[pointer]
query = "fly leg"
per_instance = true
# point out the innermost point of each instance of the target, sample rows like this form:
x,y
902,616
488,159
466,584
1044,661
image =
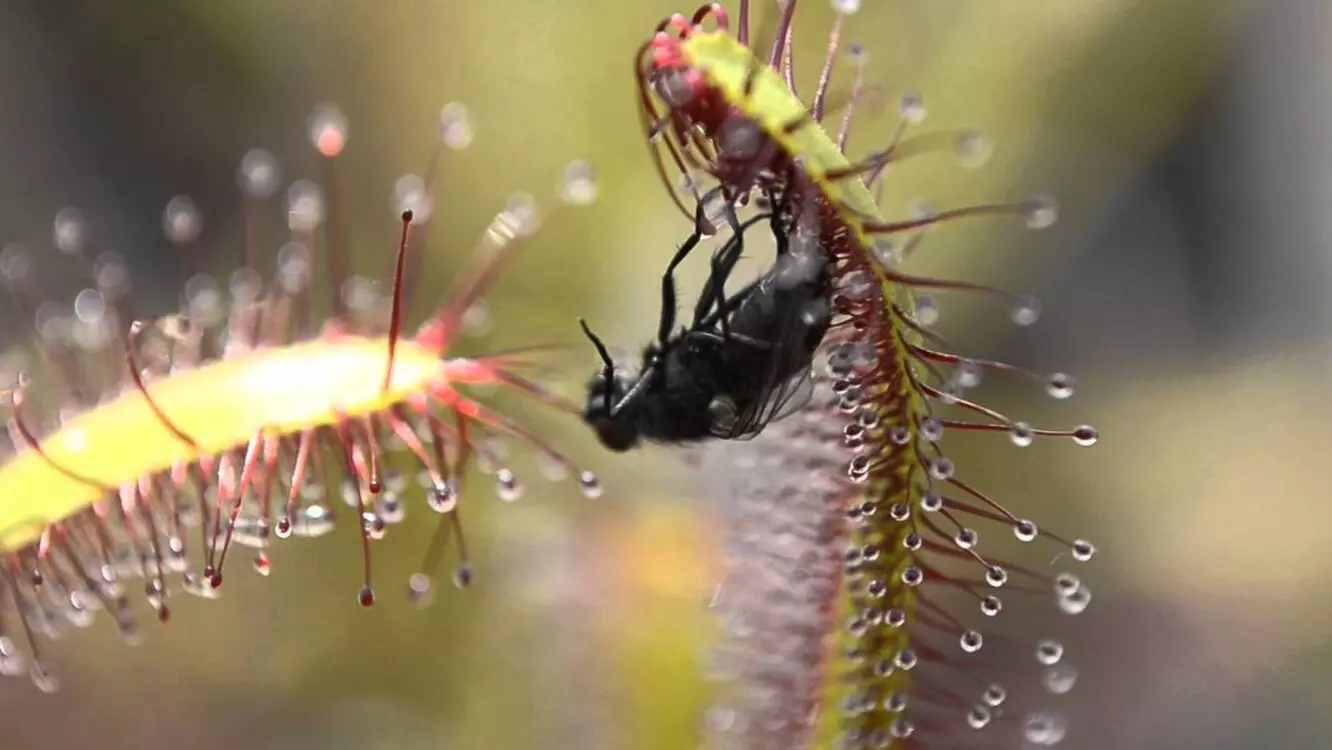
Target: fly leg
x,y
667,320
719,289
723,262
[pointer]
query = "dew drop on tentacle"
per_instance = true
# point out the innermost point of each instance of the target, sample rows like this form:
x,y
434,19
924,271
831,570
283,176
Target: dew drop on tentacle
x,y
1049,652
926,309
973,149
1022,434
420,590
1059,678
1085,435
589,485
181,220
455,126
258,174
1083,550
69,231
971,641
1040,212
463,575
410,193
911,108
578,185
1060,386
1043,729
1076,602
305,206
328,130
1025,530
507,486
1025,311
15,263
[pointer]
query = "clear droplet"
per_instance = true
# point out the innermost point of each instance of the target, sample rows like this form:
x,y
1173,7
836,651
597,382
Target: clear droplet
x,y
328,130
1049,652
1066,583
293,264
1075,603
112,275
15,263
966,538
69,231
927,309
1026,310
578,186
1085,435
1043,729
973,149
931,502
419,589
1025,530
409,194
508,487
552,467
245,285
1083,550
1060,385
305,206
942,468
89,306
971,641
846,7
968,374
1040,212
1060,678
520,216
589,485
181,220
1021,434
258,174
455,126
857,54
912,108
905,659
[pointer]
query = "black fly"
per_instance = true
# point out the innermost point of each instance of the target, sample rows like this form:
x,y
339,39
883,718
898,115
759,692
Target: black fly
x,y
743,361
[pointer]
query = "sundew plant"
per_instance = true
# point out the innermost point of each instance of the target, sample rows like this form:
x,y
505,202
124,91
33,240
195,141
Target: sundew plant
x,y
145,450
862,606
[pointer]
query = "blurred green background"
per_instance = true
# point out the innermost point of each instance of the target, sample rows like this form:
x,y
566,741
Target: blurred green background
x,y
1184,286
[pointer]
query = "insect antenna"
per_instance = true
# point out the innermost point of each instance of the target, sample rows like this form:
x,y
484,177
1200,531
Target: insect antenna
x,y
607,364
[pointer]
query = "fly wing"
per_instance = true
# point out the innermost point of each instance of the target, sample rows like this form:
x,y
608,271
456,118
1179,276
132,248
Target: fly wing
x,y
784,317
798,321
778,403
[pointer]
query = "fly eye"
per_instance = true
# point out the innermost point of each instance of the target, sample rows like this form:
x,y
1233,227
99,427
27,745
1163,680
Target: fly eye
x,y
722,411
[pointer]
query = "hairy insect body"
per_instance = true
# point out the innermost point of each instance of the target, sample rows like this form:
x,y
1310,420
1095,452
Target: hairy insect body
x,y
743,360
